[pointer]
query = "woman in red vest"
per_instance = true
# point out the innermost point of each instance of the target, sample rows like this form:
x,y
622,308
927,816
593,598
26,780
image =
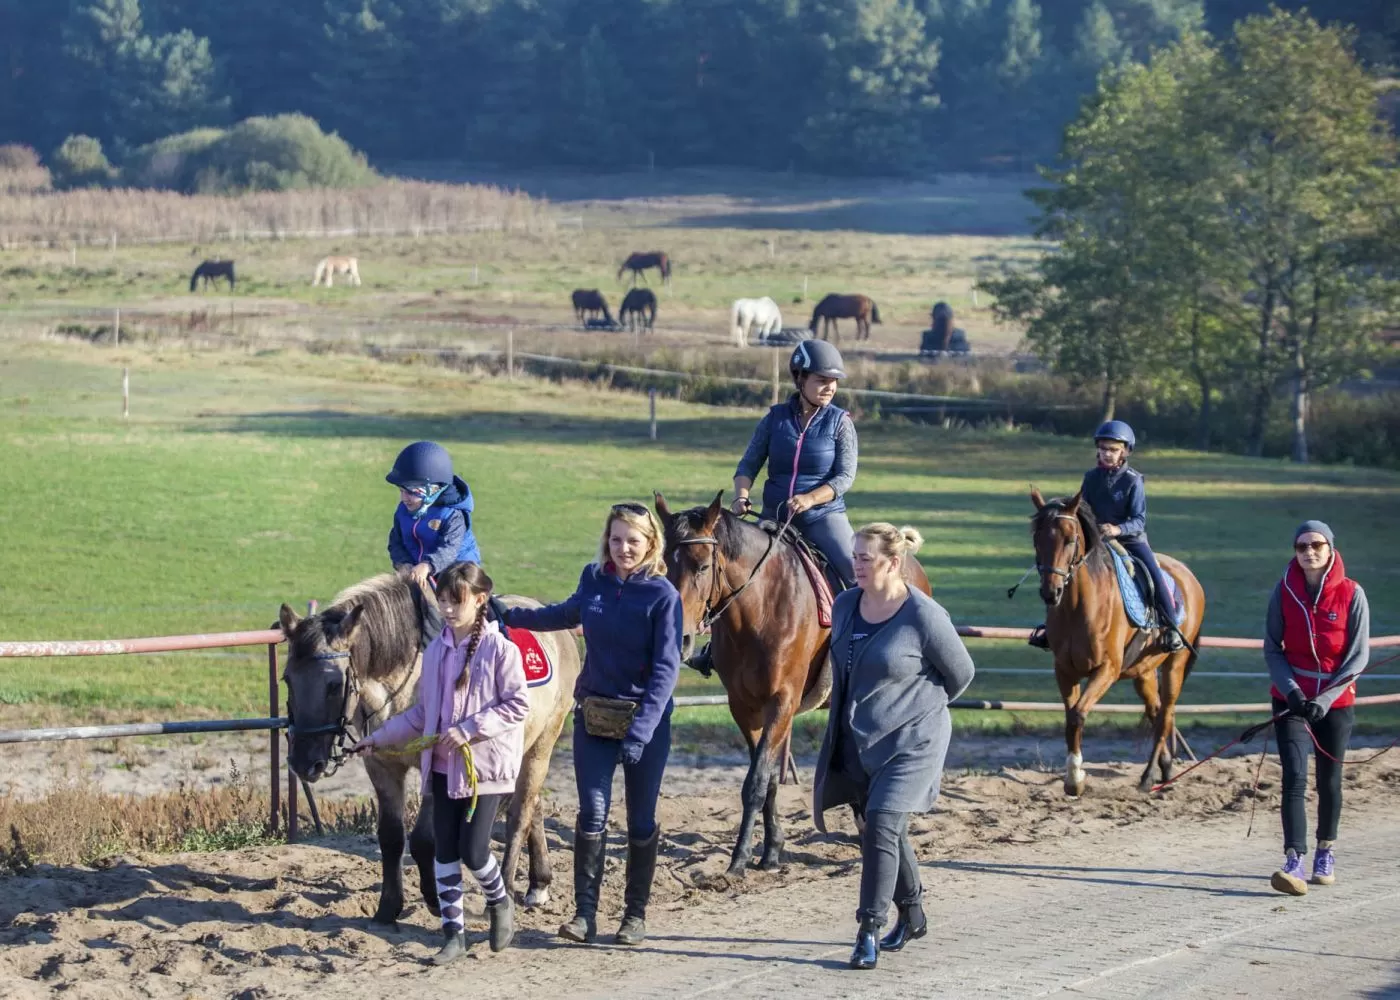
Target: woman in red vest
x,y
1316,643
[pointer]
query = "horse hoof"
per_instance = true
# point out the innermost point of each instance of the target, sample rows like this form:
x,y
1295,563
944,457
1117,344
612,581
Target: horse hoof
x,y
386,916
771,864
739,867
536,898
1074,789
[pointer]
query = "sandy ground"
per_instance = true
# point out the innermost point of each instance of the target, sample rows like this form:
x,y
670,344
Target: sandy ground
x,y
294,920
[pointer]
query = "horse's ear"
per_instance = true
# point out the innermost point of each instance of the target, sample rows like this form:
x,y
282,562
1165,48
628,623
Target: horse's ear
x,y
663,511
1036,498
288,619
712,512
1072,504
345,631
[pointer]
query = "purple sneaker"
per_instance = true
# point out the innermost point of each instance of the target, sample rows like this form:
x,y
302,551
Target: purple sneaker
x,y
1324,865
1290,878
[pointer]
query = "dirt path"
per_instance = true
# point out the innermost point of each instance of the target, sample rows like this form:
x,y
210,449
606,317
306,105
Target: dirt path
x,y
1023,882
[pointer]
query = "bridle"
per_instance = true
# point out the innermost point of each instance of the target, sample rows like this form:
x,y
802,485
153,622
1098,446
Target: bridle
x,y
1075,562
713,611
343,736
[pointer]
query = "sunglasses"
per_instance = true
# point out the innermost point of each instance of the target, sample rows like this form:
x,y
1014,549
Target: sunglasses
x,y
628,507
1309,546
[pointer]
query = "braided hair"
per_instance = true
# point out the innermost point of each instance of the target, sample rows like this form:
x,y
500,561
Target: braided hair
x,y
457,582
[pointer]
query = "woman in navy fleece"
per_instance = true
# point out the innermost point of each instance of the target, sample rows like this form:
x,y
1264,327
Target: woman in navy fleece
x,y
631,618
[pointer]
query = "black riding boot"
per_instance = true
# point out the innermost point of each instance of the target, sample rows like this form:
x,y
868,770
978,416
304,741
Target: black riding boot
x,y
454,946
703,661
912,924
1039,638
588,884
641,870
867,949
1170,640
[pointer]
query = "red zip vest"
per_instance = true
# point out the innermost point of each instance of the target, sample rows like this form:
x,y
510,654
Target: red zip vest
x,y
1315,628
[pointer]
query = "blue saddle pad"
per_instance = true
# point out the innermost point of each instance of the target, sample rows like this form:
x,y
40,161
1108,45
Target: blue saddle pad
x,y
1134,596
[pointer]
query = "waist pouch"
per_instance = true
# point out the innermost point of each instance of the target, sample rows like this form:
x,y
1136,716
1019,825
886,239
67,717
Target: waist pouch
x,y
608,718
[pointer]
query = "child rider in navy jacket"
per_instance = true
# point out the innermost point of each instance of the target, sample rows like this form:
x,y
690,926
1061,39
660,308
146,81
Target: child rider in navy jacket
x,y
631,618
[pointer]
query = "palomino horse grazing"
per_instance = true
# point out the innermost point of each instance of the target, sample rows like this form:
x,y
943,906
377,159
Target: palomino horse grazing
x,y
211,270
860,308
771,651
590,302
1092,638
331,266
749,316
638,309
356,664
638,263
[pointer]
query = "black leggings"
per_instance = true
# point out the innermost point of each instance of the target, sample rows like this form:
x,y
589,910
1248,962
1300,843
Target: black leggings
x,y
456,839
1294,745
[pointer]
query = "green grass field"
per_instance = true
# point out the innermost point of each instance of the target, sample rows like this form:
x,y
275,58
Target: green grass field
x,y
242,480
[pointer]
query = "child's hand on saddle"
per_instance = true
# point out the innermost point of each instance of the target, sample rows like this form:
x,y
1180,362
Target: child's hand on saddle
x,y
454,737
419,574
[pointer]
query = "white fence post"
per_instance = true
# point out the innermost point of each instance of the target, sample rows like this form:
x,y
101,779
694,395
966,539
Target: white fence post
x,y
651,397
126,392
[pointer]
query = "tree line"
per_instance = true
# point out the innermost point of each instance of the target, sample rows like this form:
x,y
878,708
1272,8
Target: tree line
x,y
824,85
1227,227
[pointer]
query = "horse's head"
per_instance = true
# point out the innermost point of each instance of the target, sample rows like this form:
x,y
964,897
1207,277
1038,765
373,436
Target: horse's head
x,y
1061,543
692,559
320,685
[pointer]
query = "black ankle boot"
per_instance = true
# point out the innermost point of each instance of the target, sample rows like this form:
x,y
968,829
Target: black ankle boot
x,y
502,923
454,946
588,884
867,949
1170,640
1039,638
912,924
703,661
641,870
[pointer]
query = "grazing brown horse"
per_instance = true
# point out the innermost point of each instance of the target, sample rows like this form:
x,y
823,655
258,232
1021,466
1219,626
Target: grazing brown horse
x,y
860,308
638,263
638,309
771,652
211,270
353,666
1094,642
590,302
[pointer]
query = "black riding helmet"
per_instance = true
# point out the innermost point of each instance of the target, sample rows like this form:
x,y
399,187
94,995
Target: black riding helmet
x,y
816,357
421,463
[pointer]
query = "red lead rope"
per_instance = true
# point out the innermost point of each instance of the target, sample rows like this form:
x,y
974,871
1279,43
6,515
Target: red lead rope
x,y
1254,731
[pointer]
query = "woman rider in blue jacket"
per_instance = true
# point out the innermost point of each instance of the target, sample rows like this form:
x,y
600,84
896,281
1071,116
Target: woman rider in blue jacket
x,y
809,446
631,618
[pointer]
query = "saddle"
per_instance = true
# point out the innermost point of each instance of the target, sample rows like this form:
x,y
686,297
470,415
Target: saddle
x,y
813,563
1136,586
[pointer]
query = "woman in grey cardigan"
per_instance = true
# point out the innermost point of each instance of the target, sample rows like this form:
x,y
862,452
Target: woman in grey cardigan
x,y
896,663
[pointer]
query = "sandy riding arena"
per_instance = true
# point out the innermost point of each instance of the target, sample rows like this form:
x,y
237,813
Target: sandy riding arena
x,y
1030,894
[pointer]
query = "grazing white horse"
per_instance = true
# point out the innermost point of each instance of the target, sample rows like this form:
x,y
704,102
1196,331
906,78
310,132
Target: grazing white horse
x,y
754,315
330,266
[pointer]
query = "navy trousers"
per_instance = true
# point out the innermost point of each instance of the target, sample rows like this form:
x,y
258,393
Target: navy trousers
x,y
595,763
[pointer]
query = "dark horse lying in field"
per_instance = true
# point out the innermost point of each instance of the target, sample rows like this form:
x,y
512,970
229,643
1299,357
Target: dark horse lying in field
x,y
638,309
590,302
638,263
353,666
210,270
860,308
770,650
1092,638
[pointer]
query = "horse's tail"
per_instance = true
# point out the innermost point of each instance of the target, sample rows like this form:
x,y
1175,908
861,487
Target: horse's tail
x,y
320,270
194,278
874,313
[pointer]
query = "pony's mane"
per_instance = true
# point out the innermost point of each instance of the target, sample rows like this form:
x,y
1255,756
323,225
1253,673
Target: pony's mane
x,y
388,630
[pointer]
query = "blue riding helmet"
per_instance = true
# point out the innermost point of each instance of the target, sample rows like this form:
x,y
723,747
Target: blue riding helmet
x,y
816,357
420,464
1116,430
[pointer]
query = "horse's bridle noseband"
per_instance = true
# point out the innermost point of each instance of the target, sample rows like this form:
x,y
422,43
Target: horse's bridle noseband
x,y
712,613
1074,563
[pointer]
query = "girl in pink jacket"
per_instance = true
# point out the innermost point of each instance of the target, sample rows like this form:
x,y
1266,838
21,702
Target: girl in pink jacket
x,y
472,691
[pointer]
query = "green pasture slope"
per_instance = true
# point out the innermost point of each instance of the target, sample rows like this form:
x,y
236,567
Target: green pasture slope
x,y
241,481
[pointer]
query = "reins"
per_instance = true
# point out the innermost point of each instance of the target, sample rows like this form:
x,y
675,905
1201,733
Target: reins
x,y
340,750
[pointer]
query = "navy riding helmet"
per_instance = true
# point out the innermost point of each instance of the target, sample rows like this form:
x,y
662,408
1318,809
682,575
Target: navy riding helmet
x,y
421,462
816,357
1116,430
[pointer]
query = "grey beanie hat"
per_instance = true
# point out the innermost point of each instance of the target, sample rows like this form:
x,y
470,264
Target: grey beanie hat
x,y
1318,526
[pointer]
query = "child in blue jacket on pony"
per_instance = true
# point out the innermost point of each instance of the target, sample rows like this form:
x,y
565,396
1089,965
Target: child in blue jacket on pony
x,y
1117,494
